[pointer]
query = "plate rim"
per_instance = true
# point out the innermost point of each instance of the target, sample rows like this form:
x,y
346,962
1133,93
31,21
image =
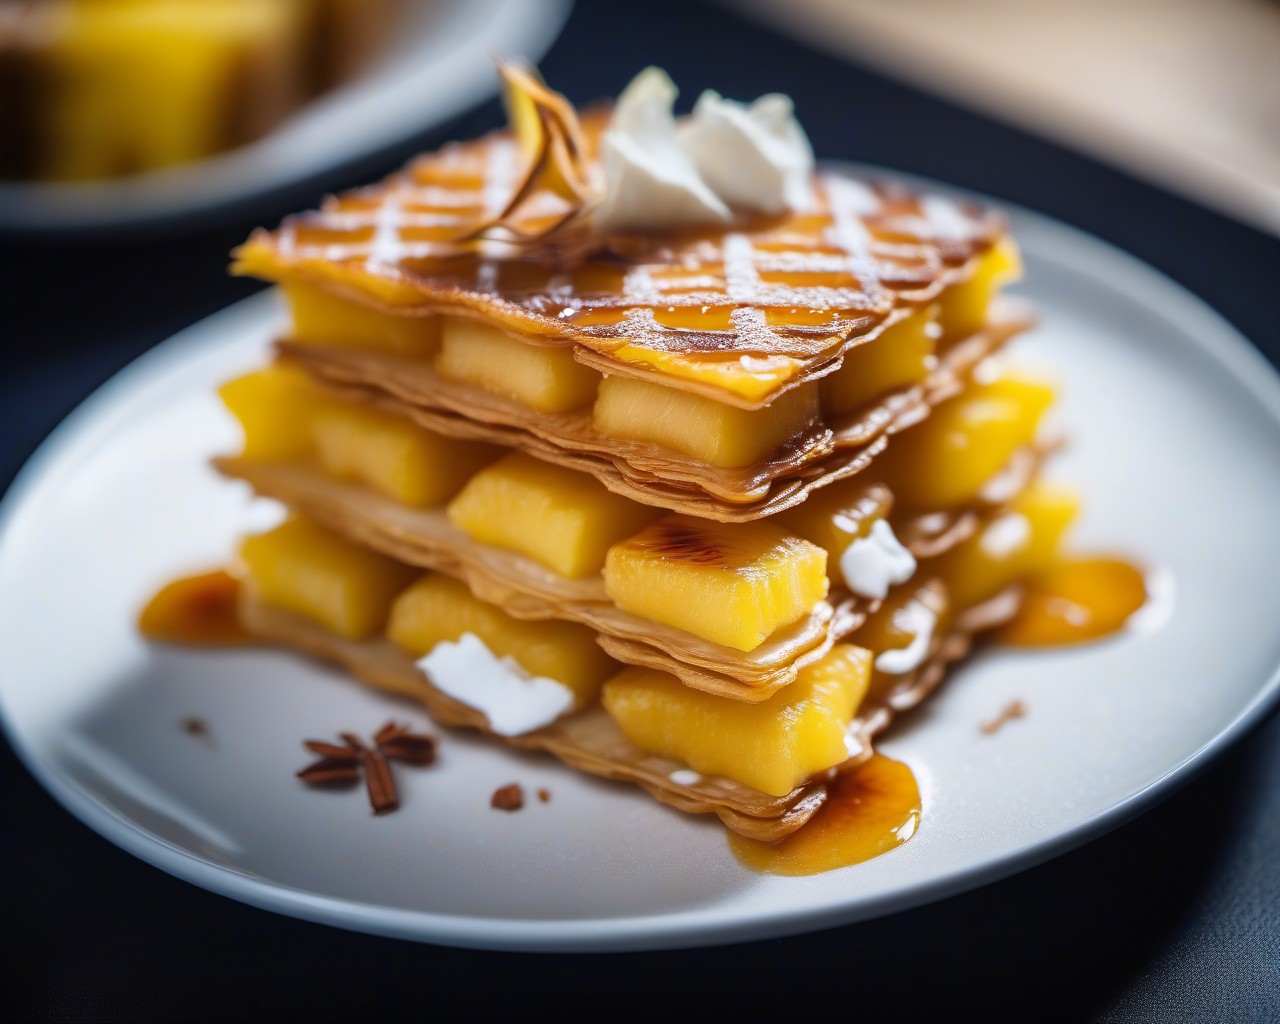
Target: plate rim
x,y
1077,250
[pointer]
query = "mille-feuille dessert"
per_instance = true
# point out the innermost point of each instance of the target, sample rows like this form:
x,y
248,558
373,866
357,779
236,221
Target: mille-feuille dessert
x,y
637,441
104,88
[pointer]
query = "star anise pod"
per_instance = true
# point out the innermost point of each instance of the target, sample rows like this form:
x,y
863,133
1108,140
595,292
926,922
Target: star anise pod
x,y
343,764
399,744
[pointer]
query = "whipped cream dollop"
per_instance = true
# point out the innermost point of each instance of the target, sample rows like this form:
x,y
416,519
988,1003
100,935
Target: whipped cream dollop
x,y
754,157
871,564
920,622
514,701
725,156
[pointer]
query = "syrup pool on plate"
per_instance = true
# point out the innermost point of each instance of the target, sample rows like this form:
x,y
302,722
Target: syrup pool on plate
x,y
868,812
1074,601
196,611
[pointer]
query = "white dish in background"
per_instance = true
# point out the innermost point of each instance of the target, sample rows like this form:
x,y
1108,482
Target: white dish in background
x,y
1175,427
439,63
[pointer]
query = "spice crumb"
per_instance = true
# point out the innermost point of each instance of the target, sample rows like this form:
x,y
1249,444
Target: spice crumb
x,y
544,795
198,728
1014,709
507,798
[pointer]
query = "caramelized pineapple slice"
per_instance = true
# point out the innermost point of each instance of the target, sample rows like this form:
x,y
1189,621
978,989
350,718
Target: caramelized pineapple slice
x,y
274,406
562,518
773,746
701,428
962,307
900,357
543,378
1017,543
946,460
303,568
320,318
438,608
837,515
731,583
394,455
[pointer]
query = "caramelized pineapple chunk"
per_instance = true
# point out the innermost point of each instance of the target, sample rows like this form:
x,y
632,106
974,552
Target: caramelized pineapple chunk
x,y
1017,543
210,74
773,746
731,583
837,515
900,357
562,518
707,430
274,406
962,307
543,378
321,318
394,455
438,608
303,568
946,460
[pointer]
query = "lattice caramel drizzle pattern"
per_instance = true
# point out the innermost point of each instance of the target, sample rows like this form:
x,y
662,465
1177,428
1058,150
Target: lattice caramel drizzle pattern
x,y
405,228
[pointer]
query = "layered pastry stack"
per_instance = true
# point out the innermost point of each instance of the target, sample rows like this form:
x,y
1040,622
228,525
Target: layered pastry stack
x,y
101,88
637,442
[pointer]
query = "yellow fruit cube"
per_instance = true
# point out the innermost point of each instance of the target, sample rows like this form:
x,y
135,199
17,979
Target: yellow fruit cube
x,y
773,746
945,461
562,518
707,430
321,318
438,608
731,583
303,568
209,73
962,307
274,406
542,377
1017,543
901,356
393,455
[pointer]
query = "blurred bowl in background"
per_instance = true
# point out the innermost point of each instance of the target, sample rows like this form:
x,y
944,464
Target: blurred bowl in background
x,y
436,63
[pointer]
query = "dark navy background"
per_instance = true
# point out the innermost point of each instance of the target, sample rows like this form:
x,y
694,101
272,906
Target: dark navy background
x,y
1173,917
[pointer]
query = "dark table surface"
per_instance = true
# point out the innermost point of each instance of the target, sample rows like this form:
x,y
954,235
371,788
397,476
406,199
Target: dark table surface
x,y
1175,916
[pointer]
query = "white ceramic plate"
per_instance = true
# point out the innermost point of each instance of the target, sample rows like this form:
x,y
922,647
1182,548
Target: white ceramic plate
x,y
1175,423
439,63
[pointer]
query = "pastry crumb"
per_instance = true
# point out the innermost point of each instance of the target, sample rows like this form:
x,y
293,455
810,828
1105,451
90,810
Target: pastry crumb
x,y
544,795
1014,709
507,798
